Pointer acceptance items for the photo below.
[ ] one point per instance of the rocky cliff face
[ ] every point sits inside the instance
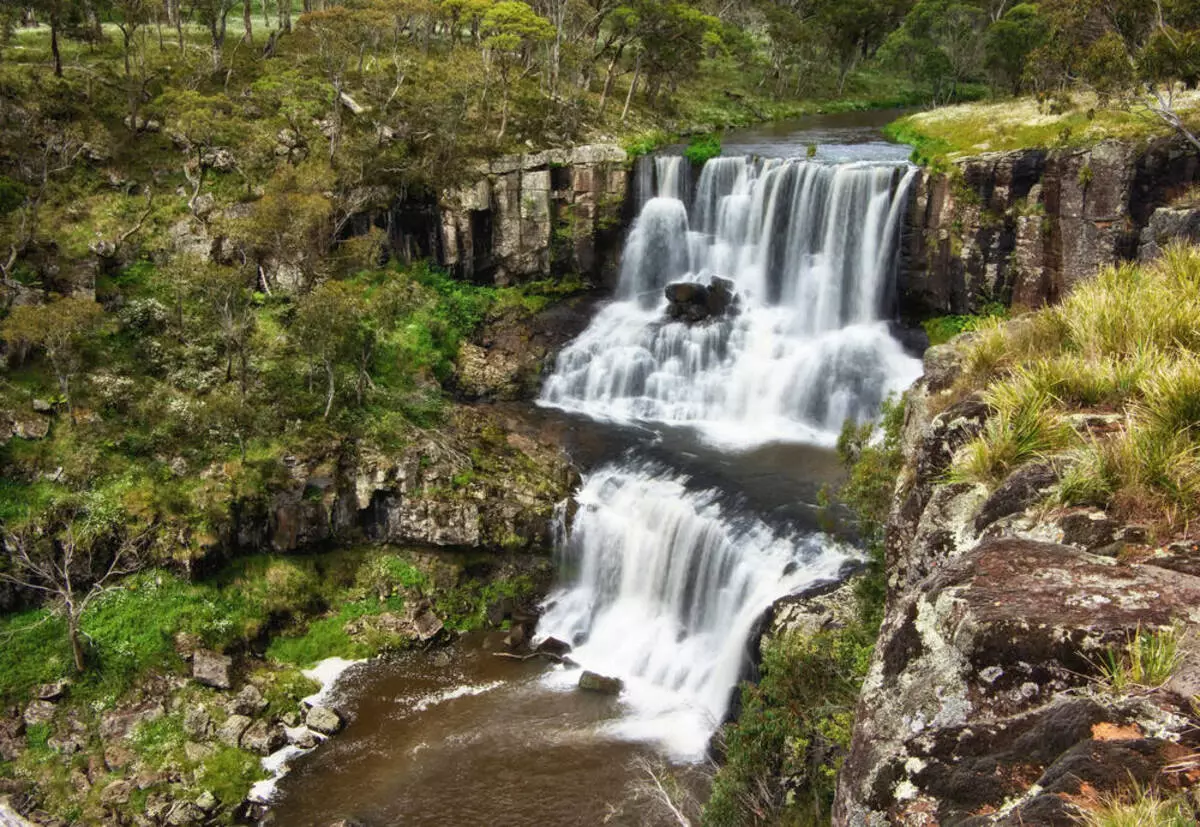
(530, 215)
(981, 705)
(474, 486)
(1021, 227)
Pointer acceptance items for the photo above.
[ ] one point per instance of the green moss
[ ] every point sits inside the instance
(229, 773)
(702, 149)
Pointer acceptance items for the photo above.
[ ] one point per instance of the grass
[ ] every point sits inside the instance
(1139, 808)
(947, 133)
(1146, 660)
(1124, 343)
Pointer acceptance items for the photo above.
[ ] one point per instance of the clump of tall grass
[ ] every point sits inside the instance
(1146, 660)
(1140, 808)
(1126, 341)
(1024, 425)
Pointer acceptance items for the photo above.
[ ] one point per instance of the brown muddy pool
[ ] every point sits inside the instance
(461, 737)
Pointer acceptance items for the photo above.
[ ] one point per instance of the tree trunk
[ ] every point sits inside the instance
(54, 46)
(76, 644)
(247, 22)
(285, 15)
(610, 78)
(329, 390)
(637, 74)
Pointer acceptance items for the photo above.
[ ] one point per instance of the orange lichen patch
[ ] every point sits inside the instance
(1088, 797)
(1020, 776)
(1112, 732)
(985, 810)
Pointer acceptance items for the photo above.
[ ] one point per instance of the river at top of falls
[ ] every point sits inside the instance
(811, 250)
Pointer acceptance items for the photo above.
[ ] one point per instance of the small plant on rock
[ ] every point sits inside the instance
(1147, 660)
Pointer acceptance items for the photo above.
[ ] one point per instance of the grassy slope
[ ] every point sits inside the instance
(953, 132)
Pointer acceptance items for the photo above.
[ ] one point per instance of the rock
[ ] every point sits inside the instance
(692, 302)
(302, 737)
(970, 697)
(516, 636)
(120, 722)
(116, 793)
(197, 723)
(116, 757)
(943, 365)
(186, 643)
(1025, 487)
(592, 682)
(39, 712)
(1167, 225)
(184, 813)
(196, 752)
(553, 646)
(230, 733)
(263, 738)
(30, 426)
(427, 625)
(248, 702)
(1088, 529)
(42, 406)
(53, 691)
(323, 720)
(207, 801)
(212, 669)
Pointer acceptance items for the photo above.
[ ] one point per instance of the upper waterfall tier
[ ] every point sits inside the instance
(811, 250)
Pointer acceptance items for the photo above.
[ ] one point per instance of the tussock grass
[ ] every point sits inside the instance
(1128, 342)
(1140, 808)
(1146, 660)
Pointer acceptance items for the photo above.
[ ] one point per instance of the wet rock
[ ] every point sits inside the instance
(593, 682)
(230, 733)
(323, 720)
(553, 646)
(516, 637)
(39, 712)
(212, 669)
(247, 702)
(263, 738)
(302, 737)
(693, 302)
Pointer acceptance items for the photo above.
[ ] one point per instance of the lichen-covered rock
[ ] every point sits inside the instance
(212, 668)
(977, 656)
(1022, 227)
(249, 701)
(1166, 225)
(230, 733)
(324, 720)
(263, 738)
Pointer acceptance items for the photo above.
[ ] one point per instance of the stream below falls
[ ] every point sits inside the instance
(704, 444)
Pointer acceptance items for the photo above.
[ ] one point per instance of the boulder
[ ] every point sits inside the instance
(184, 814)
(692, 302)
(207, 801)
(302, 737)
(554, 647)
(247, 702)
(212, 669)
(53, 691)
(323, 720)
(116, 793)
(197, 723)
(592, 682)
(230, 733)
(263, 738)
(39, 712)
(42, 406)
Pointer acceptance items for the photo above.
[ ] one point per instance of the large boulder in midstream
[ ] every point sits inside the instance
(692, 302)
(967, 705)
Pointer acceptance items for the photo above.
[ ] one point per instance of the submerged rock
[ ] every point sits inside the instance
(553, 646)
(593, 682)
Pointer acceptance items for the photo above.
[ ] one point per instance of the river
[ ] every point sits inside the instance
(704, 446)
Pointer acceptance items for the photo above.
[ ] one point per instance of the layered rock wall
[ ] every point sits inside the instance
(1019, 228)
(982, 704)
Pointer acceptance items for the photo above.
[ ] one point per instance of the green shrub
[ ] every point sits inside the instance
(229, 773)
(1139, 808)
(702, 149)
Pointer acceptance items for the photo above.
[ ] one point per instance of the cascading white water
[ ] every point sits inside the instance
(663, 587)
(811, 250)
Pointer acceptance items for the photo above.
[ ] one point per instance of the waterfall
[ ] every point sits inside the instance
(661, 579)
(663, 586)
(810, 248)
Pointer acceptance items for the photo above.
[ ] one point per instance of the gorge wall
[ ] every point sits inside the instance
(978, 707)
(1019, 228)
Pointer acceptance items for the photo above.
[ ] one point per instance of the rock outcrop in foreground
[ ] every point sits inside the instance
(982, 704)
